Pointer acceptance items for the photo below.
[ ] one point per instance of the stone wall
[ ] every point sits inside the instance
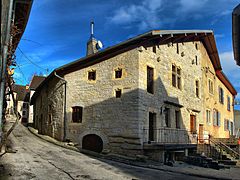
(161, 61)
(115, 120)
(211, 100)
(49, 109)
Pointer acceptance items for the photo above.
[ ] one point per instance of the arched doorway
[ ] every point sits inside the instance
(92, 142)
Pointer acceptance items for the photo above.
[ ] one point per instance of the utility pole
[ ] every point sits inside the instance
(4, 52)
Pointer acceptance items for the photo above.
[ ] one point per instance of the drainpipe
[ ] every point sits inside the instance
(65, 106)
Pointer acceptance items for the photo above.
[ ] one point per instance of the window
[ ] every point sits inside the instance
(24, 113)
(208, 116)
(197, 88)
(167, 117)
(196, 46)
(221, 95)
(177, 48)
(177, 119)
(152, 126)
(150, 80)
(118, 93)
(210, 86)
(196, 60)
(118, 73)
(92, 75)
(77, 114)
(154, 49)
(216, 118)
(228, 103)
(176, 77)
(226, 124)
(24, 105)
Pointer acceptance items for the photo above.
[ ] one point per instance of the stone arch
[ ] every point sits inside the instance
(92, 142)
(97, 133)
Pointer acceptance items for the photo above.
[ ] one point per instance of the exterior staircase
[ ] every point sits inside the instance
(220, 153)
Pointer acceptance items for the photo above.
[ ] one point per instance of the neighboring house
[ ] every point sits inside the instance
(22, 98)
(237, 122)
(35, 82)
(236, 33)
(159, 92)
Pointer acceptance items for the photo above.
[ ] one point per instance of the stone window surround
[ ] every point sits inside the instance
(88, 75)
(221, 95)
(210, 86)
(80, 108)
(208, 116)
(228, 103)
(152, 90)
(115, 73)
(197, 88)
(177, 76)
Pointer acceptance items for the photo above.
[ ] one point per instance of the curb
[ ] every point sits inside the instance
(52, 140)
(106, 157)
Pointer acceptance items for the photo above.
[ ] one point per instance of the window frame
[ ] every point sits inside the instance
(77, 118)
(221, 95)
(92, 77)
(150, 79)
(197, 88)
(116, 75)
(210, 86)
(228, 103)
(208, 116)
(176, 77)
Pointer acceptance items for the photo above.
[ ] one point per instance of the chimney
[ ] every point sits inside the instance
(92, 42)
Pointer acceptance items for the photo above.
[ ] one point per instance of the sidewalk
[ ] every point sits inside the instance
(178, 167)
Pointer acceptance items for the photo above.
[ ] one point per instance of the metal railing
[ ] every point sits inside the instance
(169, 136)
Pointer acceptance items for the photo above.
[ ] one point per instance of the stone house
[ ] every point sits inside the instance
(35, 82)
(146, 95)
(21, 94)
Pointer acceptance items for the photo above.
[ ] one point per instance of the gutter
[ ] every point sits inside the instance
(65, 106)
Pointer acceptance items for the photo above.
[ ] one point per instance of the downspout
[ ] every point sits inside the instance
(65, 106)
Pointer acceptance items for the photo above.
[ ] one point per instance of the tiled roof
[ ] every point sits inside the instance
(36, 81)
(22, 92)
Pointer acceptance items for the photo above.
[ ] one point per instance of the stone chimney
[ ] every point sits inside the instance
(92, 42)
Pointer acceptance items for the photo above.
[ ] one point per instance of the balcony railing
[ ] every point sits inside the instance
(169, 136)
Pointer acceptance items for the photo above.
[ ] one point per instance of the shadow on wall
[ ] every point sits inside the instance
(125, 123)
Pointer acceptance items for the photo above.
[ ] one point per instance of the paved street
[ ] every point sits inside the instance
(37, 159)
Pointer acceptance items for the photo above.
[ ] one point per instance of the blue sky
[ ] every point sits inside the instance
(58, 30)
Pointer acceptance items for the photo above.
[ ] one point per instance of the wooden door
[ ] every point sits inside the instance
(200, 135)
(193, 123)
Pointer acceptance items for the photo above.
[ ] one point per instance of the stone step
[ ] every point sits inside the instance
(228, 162)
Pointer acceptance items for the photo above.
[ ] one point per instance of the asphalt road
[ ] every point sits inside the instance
(38, 159)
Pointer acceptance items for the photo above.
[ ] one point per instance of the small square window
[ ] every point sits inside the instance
(118, 73)
(118, 93)
(92, 75)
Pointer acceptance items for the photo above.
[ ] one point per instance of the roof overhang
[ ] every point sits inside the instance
(236, 33)
(159, 36)
(22, 10)
(223, 78)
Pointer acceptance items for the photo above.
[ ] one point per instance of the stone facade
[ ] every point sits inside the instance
(175, 114)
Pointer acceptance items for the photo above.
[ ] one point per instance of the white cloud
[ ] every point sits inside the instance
(230, 68)
(145, 14)
(191, 5)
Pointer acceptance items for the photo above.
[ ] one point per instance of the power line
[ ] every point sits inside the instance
(21, 72)
(31, 60)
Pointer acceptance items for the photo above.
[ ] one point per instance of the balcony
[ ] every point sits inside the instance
(169, 136)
